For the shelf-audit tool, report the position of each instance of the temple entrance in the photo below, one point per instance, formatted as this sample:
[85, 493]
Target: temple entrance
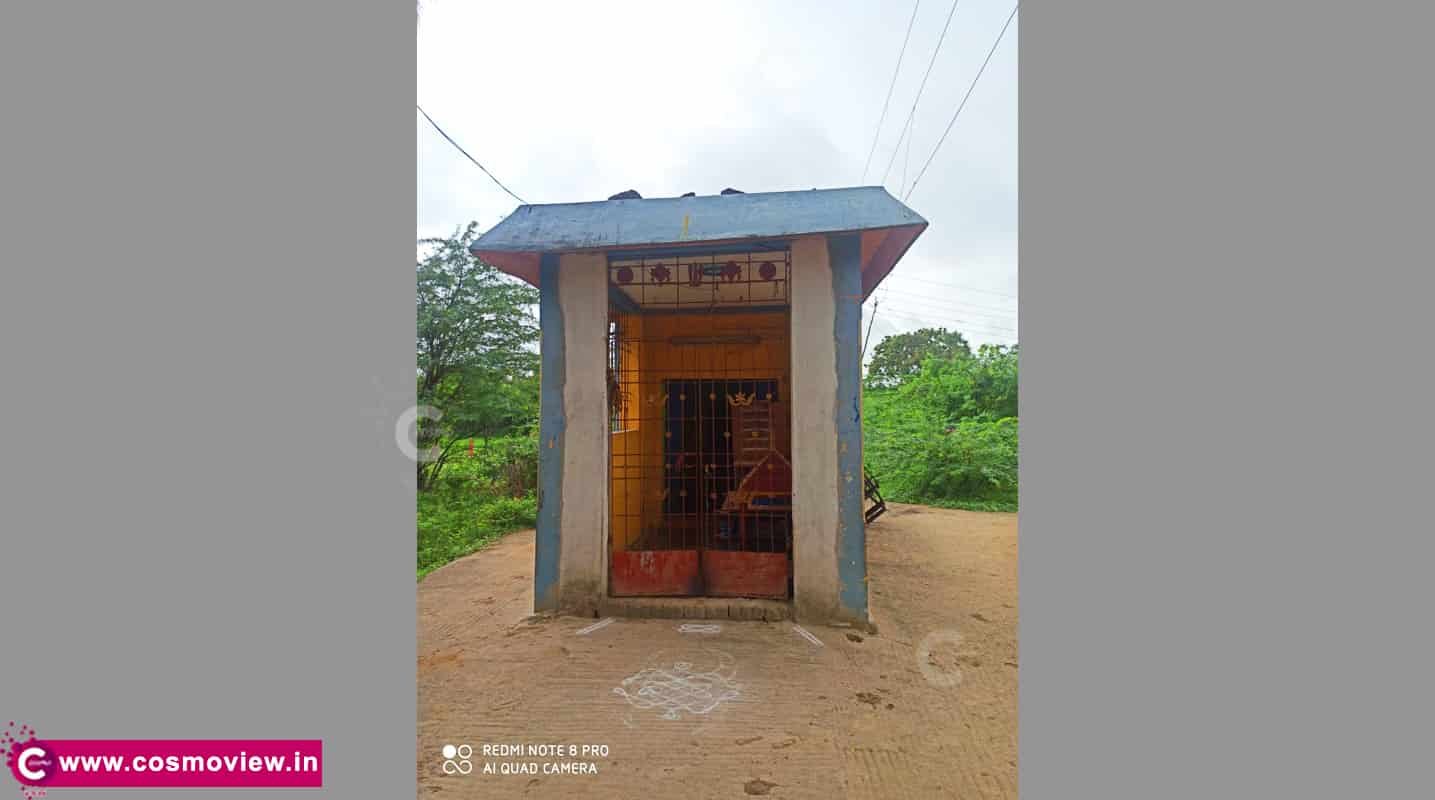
[701, 475]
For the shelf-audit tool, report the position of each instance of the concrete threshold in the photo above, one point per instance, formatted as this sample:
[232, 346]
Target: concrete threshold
[696, 608]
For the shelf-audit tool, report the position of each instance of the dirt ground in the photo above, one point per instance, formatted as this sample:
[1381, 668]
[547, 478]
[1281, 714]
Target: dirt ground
[926, 707]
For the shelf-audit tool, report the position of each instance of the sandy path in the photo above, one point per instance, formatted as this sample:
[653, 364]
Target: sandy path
[924, 708]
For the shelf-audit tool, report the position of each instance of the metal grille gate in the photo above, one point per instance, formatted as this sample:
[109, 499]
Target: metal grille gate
[700, 474]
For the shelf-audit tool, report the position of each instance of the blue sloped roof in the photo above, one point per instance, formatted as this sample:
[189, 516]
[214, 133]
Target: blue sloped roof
[513, 244]
[673, 220]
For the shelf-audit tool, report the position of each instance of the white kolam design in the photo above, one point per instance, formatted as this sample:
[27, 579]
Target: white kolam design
[674, 687]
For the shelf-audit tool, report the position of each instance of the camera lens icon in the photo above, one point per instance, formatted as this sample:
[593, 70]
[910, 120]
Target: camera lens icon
[456, 759]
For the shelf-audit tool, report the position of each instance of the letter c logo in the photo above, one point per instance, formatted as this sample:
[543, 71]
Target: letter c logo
[22, 763]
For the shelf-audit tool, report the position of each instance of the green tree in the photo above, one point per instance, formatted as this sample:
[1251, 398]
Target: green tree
[983, 386]
[948, 434]
[898, 358]
[477, 360]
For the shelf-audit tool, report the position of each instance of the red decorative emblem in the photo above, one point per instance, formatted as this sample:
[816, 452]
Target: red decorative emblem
[661, 274]
[625, 274]
[768, 271]
[695, 274]
[730, 271]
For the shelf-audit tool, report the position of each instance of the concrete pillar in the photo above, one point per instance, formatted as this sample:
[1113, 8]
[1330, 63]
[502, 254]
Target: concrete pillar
[583, 565]
[570, 569]
[829, 537]
[551, 423]
[844, 253]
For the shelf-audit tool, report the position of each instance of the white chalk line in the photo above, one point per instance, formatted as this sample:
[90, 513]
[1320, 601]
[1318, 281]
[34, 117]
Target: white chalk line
[600, 624]
[698, 627]
[809, 637]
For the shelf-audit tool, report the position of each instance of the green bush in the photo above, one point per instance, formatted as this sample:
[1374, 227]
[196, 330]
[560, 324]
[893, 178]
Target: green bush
[509, 513]
[946, 436]
[455, 522]
[502, 466]
[974, 459]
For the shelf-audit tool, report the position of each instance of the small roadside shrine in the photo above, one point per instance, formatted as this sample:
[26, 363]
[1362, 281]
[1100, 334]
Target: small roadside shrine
[701, 421]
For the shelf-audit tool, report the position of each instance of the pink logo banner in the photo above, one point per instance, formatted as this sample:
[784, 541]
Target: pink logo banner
[166, 763]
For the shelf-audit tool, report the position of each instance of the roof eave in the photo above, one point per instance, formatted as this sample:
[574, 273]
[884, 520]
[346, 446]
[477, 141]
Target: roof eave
[888, 227]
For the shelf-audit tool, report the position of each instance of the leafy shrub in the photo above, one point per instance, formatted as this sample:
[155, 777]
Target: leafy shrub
[947, 435]
[509, 513]
[974, 459]
[455, 522]
[505, 466]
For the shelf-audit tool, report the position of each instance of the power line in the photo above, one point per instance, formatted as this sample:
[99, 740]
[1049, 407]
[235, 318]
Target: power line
[923, 85]
[885, 291]
[883, 118]
[918, 315]
[953, 286]
[937, 313]
[967, 333]
[889, 328]
[906, 159]
[470, 158]
[1008, 324]
[963, 104]
[1003, 313]
[920, 312]
[925, 319]
[870, 322]
[965, 306]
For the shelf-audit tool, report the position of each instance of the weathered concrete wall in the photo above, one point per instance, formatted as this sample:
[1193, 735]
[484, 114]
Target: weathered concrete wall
[814, 441]
[583, 298]
[829, 538]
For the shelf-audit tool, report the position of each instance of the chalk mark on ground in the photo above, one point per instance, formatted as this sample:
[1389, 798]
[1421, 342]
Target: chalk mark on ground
[676, 686]
[599, 625]
[809, 637]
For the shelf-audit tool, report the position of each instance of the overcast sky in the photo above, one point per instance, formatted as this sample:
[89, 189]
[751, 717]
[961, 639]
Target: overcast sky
[568, 102]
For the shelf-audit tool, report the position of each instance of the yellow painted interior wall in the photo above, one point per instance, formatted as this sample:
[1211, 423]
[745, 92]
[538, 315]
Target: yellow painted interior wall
[648, 359]
[626, 479]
